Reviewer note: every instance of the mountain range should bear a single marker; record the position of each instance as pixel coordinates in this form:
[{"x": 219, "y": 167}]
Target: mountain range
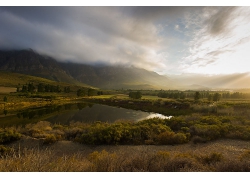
[
  {"x": 105, "y": 77},
  {"x": 32, "y": 63}
]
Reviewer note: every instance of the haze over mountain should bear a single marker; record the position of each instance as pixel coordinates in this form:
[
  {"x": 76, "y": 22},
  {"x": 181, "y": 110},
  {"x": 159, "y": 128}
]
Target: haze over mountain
[
  {"x": 113, "y": 77},
  {"x": 107, "y": 77},
  {"x": 129, "y": 47},
  {"x": 201, "y": 81}
]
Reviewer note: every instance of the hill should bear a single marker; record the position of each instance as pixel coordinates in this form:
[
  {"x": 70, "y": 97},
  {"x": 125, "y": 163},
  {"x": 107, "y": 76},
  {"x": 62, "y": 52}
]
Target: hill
[{"x": 9, "y": 79}]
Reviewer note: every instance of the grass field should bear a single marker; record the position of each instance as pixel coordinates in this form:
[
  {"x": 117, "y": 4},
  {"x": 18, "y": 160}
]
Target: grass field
[{"x": 7, "y": 89}]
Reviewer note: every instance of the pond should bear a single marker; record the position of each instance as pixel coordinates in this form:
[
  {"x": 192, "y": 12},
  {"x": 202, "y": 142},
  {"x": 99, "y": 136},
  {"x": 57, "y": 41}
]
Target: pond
[{"x": 82, "y": 112}]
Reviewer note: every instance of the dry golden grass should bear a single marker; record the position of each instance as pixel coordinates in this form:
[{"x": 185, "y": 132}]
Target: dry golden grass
[{"x": 31, "y": 155}]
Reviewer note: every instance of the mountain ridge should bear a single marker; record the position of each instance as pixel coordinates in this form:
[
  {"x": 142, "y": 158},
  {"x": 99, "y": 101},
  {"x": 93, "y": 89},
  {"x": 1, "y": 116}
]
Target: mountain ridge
[{"x": 107, "y": 77}]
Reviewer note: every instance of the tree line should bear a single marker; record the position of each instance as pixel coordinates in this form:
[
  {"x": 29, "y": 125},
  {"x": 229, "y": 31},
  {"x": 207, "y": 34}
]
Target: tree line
[
  {"x": 41, "y": 87},
  {"x": 88, "y": 92},
  {"x": 210, "y": 96}
]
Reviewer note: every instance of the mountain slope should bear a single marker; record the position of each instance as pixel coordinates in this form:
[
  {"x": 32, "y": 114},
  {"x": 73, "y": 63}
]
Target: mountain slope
[
  {"x": 117, "y": 77},
  {"x": 10, "y": 79},
  {"x": 107, "y": 77},
  {"x": 30, "y": 63}
]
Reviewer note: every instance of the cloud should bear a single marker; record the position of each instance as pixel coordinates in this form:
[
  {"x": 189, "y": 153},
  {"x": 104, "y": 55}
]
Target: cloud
[
  {"x": 219, "y": 19},
  {"x": 220, "y": 34},
  {"x": 192, "y": 37},
  {"x": 106, "y": 35},
  {"x": 81, "y": 34}
]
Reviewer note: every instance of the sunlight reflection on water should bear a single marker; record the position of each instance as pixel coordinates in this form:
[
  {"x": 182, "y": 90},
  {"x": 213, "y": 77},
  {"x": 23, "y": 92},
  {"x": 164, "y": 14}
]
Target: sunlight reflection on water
[{"x": 156, "y": 115}]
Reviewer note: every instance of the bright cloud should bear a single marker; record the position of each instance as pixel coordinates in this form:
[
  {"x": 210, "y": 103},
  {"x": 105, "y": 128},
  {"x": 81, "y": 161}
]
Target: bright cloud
[
  {"x": 222, "y": 44},
  {"x": 208, "y": 40}
]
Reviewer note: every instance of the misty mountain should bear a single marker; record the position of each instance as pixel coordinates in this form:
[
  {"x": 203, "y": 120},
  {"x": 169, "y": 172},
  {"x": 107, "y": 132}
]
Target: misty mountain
[
  {"x": 31, "y": 63},
  {"x": 107, "y": 77}
]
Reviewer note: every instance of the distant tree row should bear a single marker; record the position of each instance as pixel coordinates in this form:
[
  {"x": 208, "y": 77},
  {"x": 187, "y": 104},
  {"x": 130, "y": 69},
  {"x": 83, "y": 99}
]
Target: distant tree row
[
  {"x": 41, "y": 87},
  {"x": 88, "y": 92},
  {"x": 235, "y": 95},
  {"x": 172, "y": 95},
  {"x": 211, "y": 96}
]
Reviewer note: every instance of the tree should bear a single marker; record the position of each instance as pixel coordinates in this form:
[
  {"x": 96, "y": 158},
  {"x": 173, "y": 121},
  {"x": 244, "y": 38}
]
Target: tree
[
  {"x": 67, "y": 89},
  {"x": 135, "y": 95},
  {"x": 92, "y": 92},
  {"x": 81, "y": 92},
  {"x": 197, "y": 96},
  {"x": 41, "y": 87},
  {"x": 210, "y": 97},
  {"x": 24, "y": 88},
  {"x": 31, "y": 87},
  {"x": 182, "y": 95},
  {"x": 216, "y": 97}
]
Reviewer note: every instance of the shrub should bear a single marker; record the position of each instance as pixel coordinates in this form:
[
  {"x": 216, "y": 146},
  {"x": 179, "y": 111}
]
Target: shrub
[
  {"x": 4, "y": 150},
  {"x": 149, "y": 142},
  {"x": 163, "y": 154},
  {"x": 245, "y": 156},
  {"x": 166, "y": 138},
  {"x": 180, "y": 138},
  {"x": 73, "y": 133},
  {"x": 209, "y": 132},
  {"x": 7, "y": 136},
  {"x": 102, "y": 161},
  {"x": 180, "y": 162},
  {"x": 211, "y": 158},
  {"x": 171, "y": 138},
  {"x": 49, "y": 139},
  {"x": 233, "y": 166},
  {"x": 198, "y": 139}
]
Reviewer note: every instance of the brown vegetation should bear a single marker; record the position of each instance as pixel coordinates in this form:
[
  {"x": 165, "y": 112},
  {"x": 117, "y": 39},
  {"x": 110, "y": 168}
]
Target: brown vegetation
[{"x": 31, "y": 155}]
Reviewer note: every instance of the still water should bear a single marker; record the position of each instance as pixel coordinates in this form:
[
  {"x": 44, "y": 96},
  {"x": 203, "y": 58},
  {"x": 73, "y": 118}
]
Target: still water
[{"x": 82, "y": 112}]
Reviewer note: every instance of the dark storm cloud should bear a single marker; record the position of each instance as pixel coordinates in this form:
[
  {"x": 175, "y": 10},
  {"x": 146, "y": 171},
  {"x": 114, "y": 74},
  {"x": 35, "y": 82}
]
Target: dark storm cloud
[
  {"x": 151, "y": 13},
  {"x": 86, "y": 34},
  {"x": 218, "y": 22}
]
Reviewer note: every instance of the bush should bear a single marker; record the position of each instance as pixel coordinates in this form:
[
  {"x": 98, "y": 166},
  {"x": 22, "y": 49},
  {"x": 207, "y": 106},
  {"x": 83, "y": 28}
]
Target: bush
[
  {"x": 198, "y": 139},
  {"x": 211, "y": 158},
  {"x": 7, "y": 136},
  {"x": 233, "y": 166},
  {"x": 166, "y": 138},
  {"x": 208, "y": 132},
  {"x": 50, "y": 139},
  {"x": 102, "y": 161},
  {"x": 4, "y": 150},
  {"x": 171, "y": 138},
  {"x": 245, "y": 156}
]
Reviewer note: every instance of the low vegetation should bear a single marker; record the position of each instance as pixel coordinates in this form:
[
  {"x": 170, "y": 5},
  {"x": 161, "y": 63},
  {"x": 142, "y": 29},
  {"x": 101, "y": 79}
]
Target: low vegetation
[
  {"x": 125, "y": 160},
  {"x": 198, "y": 118}
]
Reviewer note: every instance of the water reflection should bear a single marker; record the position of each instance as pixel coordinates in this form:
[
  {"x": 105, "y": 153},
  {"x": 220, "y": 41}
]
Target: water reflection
[
  {"x": 157, "y": 115},
  {"x": 83, "y": 112}
]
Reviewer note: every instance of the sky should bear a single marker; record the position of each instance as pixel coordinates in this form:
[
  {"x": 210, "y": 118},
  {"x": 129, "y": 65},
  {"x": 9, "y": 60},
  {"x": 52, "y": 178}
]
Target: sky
[{"x": 164, "y": 39}]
